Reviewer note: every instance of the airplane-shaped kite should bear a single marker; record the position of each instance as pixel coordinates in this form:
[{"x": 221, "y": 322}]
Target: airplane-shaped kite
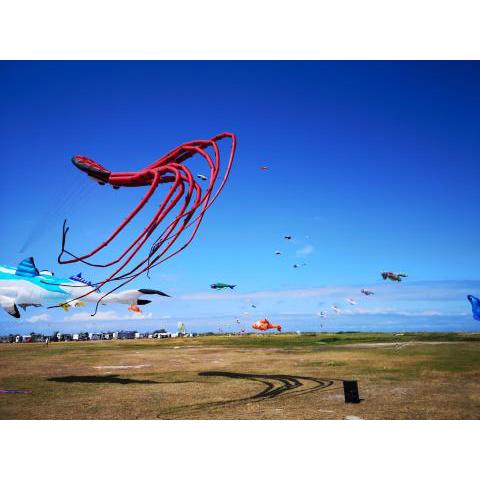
[
  {"x": 367, "y": 292},
  {"x": 25, "y": 286},
  {"x": 395, "y": 277}
]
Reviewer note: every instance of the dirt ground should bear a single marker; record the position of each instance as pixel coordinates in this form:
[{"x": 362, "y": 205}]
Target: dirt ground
[{"x": 222, "y": 378}]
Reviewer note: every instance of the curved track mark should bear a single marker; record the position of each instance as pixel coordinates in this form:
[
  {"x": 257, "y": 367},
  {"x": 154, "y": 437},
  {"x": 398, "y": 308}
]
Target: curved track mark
[{"x": 275, "y": 385}]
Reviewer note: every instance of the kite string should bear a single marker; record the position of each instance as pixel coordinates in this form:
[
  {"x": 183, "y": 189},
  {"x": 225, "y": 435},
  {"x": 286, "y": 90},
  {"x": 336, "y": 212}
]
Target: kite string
[{"x": 53, "y": 211}]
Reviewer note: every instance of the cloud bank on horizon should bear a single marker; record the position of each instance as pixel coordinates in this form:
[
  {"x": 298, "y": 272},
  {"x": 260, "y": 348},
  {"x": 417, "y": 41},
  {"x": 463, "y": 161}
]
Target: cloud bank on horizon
[{"x": 430, "y": 306}]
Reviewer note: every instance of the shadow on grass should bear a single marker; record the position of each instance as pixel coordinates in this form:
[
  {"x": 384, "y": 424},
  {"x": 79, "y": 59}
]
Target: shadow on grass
[
  {"x": 99, "y": 379},
  {"x": 274, "y": 385}
]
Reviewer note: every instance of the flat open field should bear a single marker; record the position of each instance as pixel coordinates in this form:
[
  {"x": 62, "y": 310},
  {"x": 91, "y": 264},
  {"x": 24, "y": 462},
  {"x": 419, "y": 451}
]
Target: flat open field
[{"x": 413, "y": 376}]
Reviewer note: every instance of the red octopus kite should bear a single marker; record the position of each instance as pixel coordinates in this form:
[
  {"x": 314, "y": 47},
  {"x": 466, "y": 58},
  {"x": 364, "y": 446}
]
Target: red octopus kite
[{"x": 184, "y": 192}]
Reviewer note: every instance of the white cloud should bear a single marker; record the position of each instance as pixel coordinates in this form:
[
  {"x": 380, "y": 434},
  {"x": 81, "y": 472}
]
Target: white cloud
[
  {"x": 414, "y": 291},
  {"x": 281, "y": 294},
  {"x": 226, "y": 296},
  {"x": 403, "y": 313},
  {"x": 42, "y": 317},
  {"x": 305, "y": 251},
  {"x": 374, "y": 312},
  {"x": 108, "y": 315},
  {"x": 138, "y": 316}
]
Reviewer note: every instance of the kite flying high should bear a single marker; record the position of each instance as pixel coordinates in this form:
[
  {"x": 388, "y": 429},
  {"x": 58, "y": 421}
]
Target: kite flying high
[
  {"x": 221, "y": 286},
  {"x": 367, "y": 292},
  {"x": 395, "y": 277},
  {"x": 184, "y": 192}
]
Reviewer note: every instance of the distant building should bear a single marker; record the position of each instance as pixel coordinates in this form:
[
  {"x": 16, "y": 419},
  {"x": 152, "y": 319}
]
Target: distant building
[
  {"x": 77, "y": 337},
  {"x": 162, "y": 334},
  {"x": 126, "y": 335},
  {"x": 81, "y": 336}
]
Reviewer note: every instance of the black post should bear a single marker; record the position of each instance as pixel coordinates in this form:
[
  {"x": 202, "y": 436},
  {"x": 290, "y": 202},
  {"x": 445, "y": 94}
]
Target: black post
[{"x": 350, "y": 389}]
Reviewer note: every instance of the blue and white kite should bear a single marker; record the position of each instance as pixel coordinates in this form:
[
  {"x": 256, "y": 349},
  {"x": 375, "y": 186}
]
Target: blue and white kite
[{"x": 25, "y": 286}]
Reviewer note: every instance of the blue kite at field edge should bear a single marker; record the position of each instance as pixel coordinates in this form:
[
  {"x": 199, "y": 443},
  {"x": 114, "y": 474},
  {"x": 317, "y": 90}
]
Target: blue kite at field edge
[{"x": 475, "y": 302}]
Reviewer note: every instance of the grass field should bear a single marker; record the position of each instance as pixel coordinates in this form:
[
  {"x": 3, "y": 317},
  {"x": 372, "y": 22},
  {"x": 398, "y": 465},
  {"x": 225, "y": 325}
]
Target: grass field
[{"x": 413, "y": 376}]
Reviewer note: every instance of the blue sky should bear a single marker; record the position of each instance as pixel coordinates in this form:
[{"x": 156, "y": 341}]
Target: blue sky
[{"x": 372, "y": 166}]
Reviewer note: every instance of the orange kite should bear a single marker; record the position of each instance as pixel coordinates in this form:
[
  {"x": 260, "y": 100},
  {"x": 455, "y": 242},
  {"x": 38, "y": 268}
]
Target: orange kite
[{"x": 265, "y": 325}]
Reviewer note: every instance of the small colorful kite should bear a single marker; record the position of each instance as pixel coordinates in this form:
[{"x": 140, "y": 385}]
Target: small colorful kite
[
  {"x": 367, "y": 292},
  {"x": 394, "y": 277},
  {"x": 265, "y": 325},
  {"x": 221, "y": 286}
]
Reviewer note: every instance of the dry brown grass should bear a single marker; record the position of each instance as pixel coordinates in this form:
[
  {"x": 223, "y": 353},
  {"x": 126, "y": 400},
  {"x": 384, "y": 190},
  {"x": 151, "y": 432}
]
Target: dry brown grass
[{"x": 92, "y": 380}]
